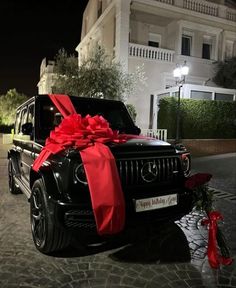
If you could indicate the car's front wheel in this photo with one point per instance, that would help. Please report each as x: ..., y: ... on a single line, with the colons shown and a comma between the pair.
x: 46, y: 235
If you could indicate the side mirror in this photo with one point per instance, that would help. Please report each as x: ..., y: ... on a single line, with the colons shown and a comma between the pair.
x: 27, y: 129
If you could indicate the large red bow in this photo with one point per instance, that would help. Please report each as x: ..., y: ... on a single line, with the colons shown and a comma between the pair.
x: 88, y: 135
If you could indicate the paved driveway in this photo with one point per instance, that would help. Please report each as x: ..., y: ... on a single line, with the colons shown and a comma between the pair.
x: 223, y: 169
x: 139, y: 259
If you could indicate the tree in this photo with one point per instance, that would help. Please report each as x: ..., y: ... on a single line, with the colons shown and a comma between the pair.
x: 225, y: 75
x: 132, y: 111
x: 8, y: 105
x: 67, y: 74
x: 102, y: 78
x: 96, y: 77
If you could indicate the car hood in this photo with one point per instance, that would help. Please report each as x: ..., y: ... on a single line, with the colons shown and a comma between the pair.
x: 142, y: 144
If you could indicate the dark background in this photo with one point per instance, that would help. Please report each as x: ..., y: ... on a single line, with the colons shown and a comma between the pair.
x: 31, y: 31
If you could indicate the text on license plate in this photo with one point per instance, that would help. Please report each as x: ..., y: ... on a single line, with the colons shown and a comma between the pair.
x: 155, y: 202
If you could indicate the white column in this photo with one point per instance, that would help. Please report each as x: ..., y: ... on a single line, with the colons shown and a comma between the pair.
x: 122, y: 32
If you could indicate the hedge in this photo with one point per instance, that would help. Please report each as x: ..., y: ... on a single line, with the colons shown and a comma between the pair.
x: 199, y: 119
x: 6, y: 128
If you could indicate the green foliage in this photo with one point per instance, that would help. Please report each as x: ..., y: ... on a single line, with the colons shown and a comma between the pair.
x: 225, y: 75
x: 67, y: 74
x: 96, y: 77
x: 8, y: 105
x: 203, y: 198
x: 132, y: 111
x: 199, y: 119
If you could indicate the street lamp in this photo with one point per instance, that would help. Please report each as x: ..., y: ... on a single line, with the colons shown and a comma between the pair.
x: 180, y: 72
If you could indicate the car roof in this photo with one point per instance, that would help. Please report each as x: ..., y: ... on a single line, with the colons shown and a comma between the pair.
x: 87, y: 99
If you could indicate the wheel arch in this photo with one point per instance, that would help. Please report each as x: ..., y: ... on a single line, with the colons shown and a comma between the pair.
x: 13, y: 155
x: 49, y: 181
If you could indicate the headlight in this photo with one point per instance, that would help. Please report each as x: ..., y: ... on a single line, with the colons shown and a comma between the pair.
x: 80, y: 174
x: 186, y: 164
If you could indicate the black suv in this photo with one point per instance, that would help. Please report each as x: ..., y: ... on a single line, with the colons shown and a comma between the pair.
x: 150, y: 171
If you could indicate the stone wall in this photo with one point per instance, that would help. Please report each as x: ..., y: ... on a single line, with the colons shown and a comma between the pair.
x: 202, y: 147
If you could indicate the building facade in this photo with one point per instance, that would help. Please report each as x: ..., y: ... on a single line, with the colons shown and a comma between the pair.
x: 157, y: 35
x: 47, y: 77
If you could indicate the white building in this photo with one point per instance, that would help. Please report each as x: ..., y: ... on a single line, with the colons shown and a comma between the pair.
x: 47, y: 77
x: 158, y: 34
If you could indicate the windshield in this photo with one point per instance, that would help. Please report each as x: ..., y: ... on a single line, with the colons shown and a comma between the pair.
x: 114, y: 112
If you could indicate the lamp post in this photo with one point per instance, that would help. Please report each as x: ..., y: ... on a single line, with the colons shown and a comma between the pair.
x: 180, y: 72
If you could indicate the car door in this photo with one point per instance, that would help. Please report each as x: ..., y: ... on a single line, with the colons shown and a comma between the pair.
x: 23, y: 143
x: 27, y: 143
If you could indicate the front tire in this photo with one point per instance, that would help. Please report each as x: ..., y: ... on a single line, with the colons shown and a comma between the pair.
x: 46, y: 235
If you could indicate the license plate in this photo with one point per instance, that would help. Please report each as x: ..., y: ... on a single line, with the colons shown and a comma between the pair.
x: 155, y: 202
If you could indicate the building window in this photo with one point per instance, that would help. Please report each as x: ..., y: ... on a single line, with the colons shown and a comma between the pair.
x: 154, y: 40
x: 207, y: 47
x: 151, y: 112
x: 153, y: 44
x: 186, y: 45
x: 201, y: 95
x: 224, y: 97
x: 229, y: 49
x: 114, y: 32
x: 206, y: 51
x: 99, y: 8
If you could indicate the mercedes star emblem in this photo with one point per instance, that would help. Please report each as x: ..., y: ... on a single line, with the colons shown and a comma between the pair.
x: 149, y: 172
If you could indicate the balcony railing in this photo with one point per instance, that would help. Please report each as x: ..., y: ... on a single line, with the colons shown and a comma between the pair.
x: 151, y: 53
x: 201, y: 6
x: 204, y: 7
x: 160, y: 134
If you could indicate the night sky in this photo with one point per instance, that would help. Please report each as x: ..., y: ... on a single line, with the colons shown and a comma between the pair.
x: 30, y: 31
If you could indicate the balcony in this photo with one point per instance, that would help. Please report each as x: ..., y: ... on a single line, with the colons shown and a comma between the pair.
x: 204, y: 7
x: 150, y: 53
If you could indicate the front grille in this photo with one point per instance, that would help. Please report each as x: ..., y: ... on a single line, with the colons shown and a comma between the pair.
x: 135, y: 171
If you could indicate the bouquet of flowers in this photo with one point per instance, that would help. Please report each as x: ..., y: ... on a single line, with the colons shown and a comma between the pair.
x: 217, y: 250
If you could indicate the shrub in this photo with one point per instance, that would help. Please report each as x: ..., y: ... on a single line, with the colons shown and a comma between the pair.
x: 199, y: 119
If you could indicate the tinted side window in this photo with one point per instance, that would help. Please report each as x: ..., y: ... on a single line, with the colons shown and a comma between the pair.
x: 17, y: 123
x: 23, y: 118
x: 31, y: 114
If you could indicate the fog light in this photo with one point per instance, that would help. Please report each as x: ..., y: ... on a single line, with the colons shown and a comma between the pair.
x: 80, y: 174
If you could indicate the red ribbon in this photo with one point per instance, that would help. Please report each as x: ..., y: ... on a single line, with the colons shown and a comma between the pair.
x: 212, y: 251
x: 88, y: 135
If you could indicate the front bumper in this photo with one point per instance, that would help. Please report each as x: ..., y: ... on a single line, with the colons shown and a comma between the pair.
x: 80, y: 218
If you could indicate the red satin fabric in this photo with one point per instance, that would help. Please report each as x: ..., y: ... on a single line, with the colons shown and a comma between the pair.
x: 105, y: 188
x: 196, y: 180
x: 212, y: 250
x: 88, y: 135
x: 62, y: 103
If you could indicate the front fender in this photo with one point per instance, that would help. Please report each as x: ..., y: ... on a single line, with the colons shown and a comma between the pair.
x: 50, y: 182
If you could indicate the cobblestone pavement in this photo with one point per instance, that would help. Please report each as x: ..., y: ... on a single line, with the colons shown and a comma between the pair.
x: 128, y: 262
